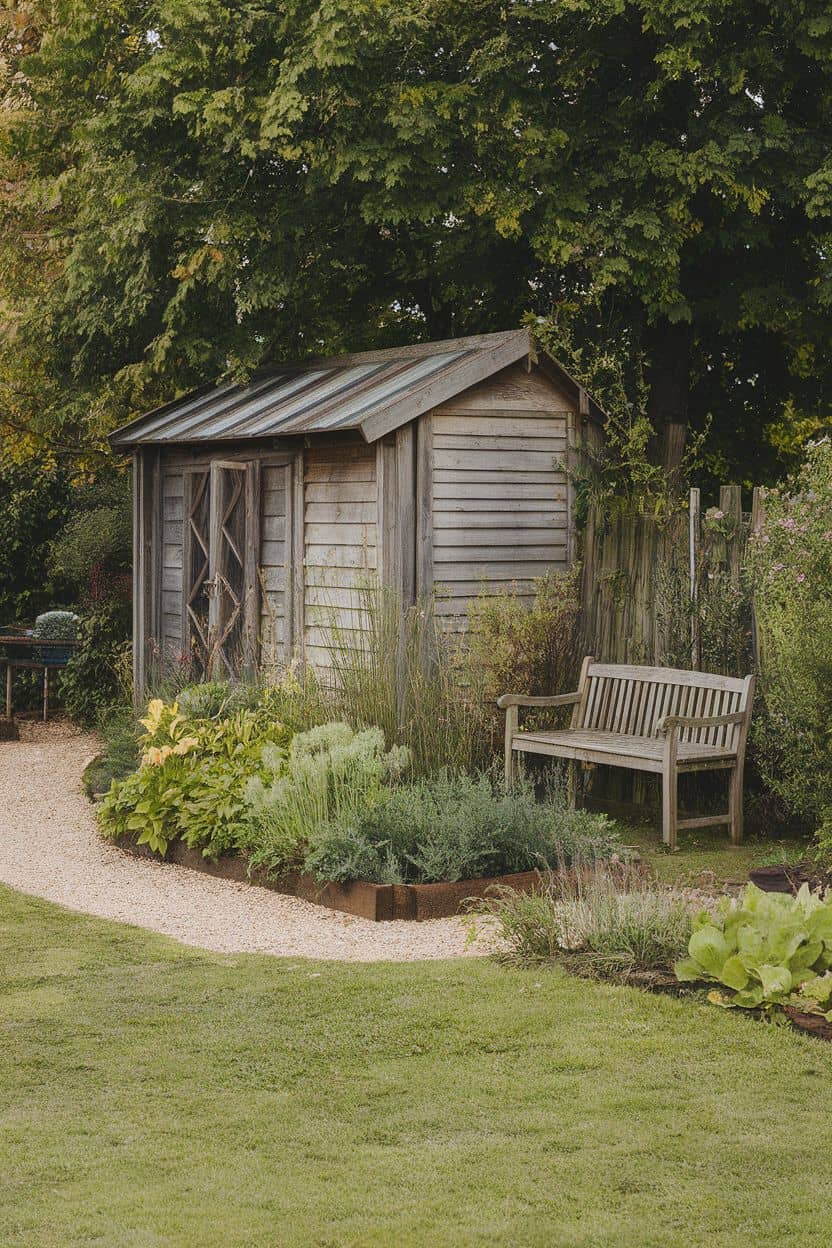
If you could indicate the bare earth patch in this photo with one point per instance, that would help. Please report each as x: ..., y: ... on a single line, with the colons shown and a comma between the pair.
x: 50, y: 847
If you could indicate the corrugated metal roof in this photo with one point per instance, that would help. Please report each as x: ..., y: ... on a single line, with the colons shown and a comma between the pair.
x: 373, y: 392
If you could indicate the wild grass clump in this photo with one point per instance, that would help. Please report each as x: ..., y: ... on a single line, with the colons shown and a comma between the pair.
x: 609, y: 921
x: 456, y: 827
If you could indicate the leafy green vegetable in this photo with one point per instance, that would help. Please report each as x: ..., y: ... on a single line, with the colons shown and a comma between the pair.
x: 769, y: 949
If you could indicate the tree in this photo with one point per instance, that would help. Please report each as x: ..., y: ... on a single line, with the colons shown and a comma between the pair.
x: 223, y: 183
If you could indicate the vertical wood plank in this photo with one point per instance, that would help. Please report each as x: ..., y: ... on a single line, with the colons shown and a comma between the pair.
x: 297, y: 573
x: 424, y: 506
x: 406, y: 490
x: 288, y: 561
x: 138, y: 585
x: 251, y: 568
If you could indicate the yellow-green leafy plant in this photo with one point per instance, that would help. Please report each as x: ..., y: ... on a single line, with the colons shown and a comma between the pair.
x: 191, y: 780
x: 763, y: 948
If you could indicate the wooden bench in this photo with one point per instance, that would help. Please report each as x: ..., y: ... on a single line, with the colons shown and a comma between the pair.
x: 655, y: 719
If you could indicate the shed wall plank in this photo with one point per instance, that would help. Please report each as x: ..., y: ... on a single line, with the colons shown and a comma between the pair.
x: 340, y: 542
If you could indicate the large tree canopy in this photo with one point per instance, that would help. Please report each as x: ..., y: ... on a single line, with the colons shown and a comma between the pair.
x: 210, y: 184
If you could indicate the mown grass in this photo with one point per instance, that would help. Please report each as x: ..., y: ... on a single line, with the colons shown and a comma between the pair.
x: 706, y: 850
x: 153, y: 1095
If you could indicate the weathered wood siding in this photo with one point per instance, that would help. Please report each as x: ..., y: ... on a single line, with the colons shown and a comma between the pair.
x: 340, y: 526
x: 275, y: 486
x: 499, y: 489
x: 173, y: 493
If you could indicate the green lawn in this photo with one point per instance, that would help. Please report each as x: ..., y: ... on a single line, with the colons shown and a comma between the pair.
x: 156, y: 1095
x: 708, y: 850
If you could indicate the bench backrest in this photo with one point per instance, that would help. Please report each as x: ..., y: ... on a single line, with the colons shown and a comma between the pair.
x: 632, y: 700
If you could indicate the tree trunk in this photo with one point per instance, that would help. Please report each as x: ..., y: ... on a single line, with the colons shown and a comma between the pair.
x: 668, y: 376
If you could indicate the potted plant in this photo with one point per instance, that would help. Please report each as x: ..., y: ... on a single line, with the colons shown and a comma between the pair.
x: 55, y: 626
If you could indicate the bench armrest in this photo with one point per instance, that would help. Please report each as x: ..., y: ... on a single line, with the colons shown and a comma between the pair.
x: 518, y: 699
x: 669, y: 722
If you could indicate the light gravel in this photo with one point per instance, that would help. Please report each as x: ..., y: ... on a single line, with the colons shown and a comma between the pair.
x: 50, y: 847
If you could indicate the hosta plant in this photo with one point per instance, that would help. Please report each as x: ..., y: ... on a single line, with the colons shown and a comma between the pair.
x: 192, y: 778
x: 764, y: 949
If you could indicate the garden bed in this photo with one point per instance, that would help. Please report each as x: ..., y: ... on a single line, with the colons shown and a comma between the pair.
x: 786, y: 878
x: 378, y: 902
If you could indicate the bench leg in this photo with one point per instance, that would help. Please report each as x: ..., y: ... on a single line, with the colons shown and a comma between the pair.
x: 9, y: 687
x: 669, y: 807
x: 670, y: 791
x: 735, y: 803
x: 512, y: 724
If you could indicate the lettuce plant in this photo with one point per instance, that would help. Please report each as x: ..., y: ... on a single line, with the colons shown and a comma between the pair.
x: 765, y: 948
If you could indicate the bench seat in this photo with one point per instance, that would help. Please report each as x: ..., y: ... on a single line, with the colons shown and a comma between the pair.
x: 641, y: 753
x: 656, y: 719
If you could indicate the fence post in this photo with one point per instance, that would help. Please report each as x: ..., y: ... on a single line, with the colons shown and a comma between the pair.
x: 758, y: 511
x: 694, y: 508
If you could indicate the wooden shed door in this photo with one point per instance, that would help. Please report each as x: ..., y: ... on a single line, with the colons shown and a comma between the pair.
x: 221, y: 588
x: 233, y: 550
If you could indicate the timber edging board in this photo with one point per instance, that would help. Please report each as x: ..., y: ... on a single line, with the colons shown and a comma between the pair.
x: 377, y: 902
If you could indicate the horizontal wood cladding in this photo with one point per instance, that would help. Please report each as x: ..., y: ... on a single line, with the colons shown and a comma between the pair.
x: 512, y: 389
x: 340, y: 530
x: 499, y: 505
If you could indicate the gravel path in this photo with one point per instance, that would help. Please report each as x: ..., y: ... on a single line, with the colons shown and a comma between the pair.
x: 50, y: 847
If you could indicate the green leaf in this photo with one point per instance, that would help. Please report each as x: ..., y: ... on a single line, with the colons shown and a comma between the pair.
x: 776, y: 981
x: 709, y: 948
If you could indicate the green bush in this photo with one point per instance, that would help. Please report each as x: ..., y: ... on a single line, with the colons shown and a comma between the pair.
x: 119, y: 730
x: 455, y: 827
x: 790, y: 562
x: 515, y: 647
x: 608, y: 922
x: 94, y: 549
x: 56, y: 626
x: 192, y: 779
x: 97, y: 675
x: 327, y: 775
x: 35, y: 501
x: 763, y: 947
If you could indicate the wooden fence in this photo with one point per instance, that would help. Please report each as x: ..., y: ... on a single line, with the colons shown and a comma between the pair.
x: 648, y: 581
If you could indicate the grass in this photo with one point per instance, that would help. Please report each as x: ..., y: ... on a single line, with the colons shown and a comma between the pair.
x: 153, y: 1095
x: 707, y: 850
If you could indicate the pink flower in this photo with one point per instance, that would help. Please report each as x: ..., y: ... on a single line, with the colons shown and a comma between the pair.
x: 801, y: 576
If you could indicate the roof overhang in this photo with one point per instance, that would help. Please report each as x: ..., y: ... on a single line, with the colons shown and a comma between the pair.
x: 373, y: 392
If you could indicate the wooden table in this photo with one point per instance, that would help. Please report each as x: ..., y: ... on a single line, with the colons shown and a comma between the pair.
x: 45, y: 665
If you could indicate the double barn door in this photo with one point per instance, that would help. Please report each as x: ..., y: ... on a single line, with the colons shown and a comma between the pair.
x: 221, y: 589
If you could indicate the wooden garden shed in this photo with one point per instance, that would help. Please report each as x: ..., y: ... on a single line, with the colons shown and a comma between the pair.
x: 260, y: 509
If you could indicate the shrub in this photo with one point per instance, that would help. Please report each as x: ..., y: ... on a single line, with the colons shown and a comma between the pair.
x: 762, y: 947
x: 56, y: 626
x: 455, y: 827
x: 95, y: 546
x: 327, y: 775
x: 516, y: 647
x: 609, y: 922
x: 192, y: 779
x: 96, y: 675
x: 790, y: 561
x: 36, y: 500
x: 120, y: 754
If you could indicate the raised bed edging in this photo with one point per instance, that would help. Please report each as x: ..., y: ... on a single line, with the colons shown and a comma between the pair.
x: 378, y: 902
